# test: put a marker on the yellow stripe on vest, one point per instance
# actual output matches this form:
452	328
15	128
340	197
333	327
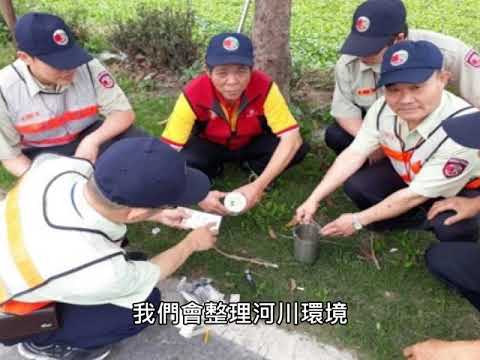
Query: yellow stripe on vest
4	294
19	253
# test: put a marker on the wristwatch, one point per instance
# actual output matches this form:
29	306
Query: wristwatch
357	225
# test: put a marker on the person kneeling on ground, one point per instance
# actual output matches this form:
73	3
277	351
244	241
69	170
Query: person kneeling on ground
237	114
62	227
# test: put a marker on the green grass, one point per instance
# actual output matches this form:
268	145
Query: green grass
318	26
388	308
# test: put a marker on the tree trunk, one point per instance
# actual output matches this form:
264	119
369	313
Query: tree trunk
8	14
271	34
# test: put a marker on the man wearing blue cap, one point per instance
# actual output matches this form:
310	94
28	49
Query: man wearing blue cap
376	25
455	263
52	95
59	242
421	166
233	113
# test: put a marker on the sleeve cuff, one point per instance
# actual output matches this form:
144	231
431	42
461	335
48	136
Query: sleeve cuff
290	128
171	142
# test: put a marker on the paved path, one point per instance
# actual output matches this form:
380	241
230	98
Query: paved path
233	342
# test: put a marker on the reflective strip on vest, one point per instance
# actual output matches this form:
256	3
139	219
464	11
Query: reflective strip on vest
55	122
18	251
51	132
21	258
3	291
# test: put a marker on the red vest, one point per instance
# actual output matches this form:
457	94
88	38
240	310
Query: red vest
213	123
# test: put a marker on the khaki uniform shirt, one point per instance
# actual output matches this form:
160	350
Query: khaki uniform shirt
434	179
109	98
355	82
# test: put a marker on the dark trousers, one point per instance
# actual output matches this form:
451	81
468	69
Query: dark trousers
92	326
370	185
70	148
336	138
457	264
209	157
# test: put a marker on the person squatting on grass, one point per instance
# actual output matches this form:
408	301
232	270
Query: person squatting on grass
51	98
455	263
423	164
376	25
233	113
69	218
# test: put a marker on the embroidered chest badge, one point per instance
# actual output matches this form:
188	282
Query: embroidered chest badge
454	167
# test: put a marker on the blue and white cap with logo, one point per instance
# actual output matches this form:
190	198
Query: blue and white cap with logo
48	38
145	172
229	48
373	25
411	62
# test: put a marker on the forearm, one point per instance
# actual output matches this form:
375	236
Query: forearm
114	124
283	154
170	260
396	204
345	165
473	346
350	125
17	166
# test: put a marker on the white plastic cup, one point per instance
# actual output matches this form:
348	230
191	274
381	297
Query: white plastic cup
235	202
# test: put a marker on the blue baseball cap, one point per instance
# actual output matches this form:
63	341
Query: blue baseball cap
48	38
145	172
464	129
374	23
411	62
229	48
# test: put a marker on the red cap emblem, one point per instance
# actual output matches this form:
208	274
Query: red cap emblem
106	80
60	37
230	43
362	24
473	58
454	167
399	57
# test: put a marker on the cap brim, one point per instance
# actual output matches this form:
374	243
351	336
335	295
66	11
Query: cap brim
67	59
464	129
227	60
359	45
196	188
405	76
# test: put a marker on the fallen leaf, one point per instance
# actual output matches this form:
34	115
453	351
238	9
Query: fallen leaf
271	232
292	285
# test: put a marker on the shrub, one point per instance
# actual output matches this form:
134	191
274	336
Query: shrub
163	36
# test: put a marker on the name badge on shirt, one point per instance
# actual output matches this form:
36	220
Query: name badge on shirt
367	91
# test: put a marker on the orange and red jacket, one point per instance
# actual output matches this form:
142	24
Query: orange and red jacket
212	123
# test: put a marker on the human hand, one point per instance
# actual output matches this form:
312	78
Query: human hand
434	349
252	192
171	217
88	150
465	208
213	203
304	213
342	226
203	238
